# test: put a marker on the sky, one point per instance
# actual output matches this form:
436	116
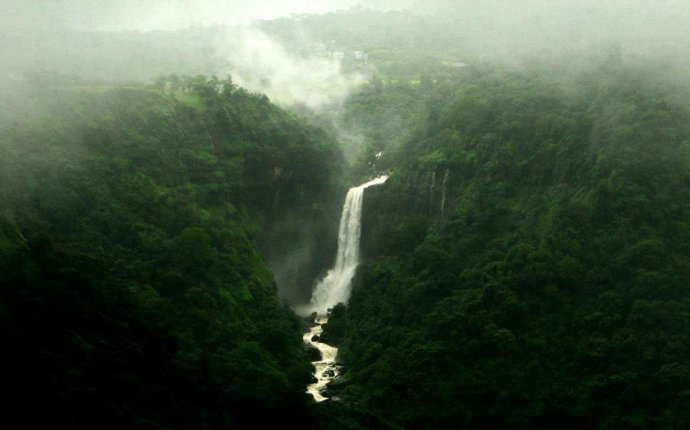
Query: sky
147	15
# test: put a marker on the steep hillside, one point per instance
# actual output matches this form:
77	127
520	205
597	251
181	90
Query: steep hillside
528	259
132	292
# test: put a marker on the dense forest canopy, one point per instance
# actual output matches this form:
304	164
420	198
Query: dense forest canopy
528	259
130	262
526	265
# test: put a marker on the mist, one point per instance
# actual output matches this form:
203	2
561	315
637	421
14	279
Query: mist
259	62
103	15
303	54
176	174
140	40
538	26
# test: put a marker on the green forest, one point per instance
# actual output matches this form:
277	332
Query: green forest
526	265
133	289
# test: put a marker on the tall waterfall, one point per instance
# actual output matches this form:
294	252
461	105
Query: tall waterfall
335	286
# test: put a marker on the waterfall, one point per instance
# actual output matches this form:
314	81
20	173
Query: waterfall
334	288
444	189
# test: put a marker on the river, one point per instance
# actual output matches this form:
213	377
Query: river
326	369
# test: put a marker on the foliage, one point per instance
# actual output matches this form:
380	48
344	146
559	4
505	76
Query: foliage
133	292
528	259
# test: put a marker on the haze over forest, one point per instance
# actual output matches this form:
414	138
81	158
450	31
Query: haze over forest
350	214
137	40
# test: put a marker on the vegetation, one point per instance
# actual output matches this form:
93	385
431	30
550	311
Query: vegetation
526	265
132	290
527	262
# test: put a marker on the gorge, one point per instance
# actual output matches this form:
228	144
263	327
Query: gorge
335	287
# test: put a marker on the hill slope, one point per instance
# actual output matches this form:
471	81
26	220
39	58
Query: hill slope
132	293
528	259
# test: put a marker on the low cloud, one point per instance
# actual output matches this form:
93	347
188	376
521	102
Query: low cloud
260	63
146	15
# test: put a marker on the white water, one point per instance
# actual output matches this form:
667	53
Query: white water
326	369
334	288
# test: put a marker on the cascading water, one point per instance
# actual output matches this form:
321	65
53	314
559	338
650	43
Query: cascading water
334	288
326	369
